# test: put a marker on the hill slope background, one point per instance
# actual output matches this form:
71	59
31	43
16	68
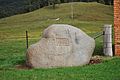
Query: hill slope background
13	7
13	43
89	20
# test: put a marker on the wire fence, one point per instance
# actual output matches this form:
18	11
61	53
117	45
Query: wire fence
26	37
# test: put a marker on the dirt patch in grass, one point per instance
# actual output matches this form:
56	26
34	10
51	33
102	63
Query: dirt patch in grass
23	66
95	60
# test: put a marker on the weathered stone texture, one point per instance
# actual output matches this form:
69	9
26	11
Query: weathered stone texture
61	45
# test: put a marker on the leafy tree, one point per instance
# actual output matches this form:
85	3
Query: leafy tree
53	2
101	1
34	4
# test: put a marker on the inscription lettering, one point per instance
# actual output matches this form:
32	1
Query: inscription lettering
62	42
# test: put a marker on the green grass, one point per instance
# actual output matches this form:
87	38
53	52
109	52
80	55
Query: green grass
107	70
90	17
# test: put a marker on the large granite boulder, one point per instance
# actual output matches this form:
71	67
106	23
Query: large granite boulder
61	45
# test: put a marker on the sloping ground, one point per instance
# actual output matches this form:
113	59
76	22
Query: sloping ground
90	17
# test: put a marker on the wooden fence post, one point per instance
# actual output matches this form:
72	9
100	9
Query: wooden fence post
27	39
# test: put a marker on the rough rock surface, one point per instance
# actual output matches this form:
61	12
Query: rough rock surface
61	45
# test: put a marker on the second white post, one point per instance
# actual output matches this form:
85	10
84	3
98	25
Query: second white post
107	40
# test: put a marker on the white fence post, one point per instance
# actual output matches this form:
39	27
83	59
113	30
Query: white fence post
107	40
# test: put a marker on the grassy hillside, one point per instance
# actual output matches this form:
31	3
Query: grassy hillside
13	7
90	17
87	16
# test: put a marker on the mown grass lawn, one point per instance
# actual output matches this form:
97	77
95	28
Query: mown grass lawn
90	17
107	70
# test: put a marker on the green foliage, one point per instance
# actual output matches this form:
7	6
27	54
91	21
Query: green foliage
12	7
53	2
106	2
101	1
